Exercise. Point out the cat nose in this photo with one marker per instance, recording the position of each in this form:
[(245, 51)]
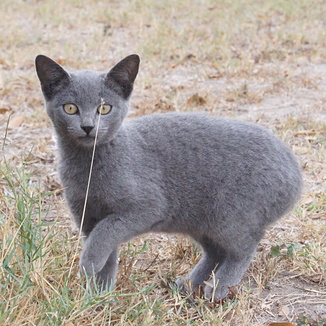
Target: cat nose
[(87, 129)]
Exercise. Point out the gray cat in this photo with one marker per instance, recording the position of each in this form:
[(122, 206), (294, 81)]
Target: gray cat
[(221, 182)]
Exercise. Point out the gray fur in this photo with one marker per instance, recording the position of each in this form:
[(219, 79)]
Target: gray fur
[(221, 182)]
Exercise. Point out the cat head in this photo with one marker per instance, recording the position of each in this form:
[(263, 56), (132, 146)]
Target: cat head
[(77, 101)]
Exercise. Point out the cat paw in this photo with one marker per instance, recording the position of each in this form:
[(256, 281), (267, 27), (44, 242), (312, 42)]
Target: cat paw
[(218, 292), (88, 264), (87, 267), (183, 284), (211, 292), (186, 287)]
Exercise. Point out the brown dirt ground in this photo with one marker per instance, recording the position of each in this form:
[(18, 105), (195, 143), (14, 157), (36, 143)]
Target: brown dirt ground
[(287, 97)]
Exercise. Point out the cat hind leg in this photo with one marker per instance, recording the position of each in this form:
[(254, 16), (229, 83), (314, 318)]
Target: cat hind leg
[(213, 257), (228, 274), (219, 268)]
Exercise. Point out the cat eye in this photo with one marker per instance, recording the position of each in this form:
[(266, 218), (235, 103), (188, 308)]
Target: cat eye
[(104, 108), (70, 108)]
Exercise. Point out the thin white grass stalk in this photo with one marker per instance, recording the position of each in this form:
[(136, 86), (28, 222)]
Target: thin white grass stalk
[(215, 284), (87, 191)]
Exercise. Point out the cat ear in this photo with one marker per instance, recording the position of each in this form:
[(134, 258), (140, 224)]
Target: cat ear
[(52, 76), (122, 76)]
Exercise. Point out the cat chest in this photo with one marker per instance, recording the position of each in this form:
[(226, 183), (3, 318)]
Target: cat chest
[(95, 193), (102, 195)]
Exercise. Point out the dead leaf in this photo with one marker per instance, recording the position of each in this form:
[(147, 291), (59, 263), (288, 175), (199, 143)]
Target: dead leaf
[(15, 121), (69, 324), (230, 99), (305, 133), (196, 100), (4, 110), (61, 61)]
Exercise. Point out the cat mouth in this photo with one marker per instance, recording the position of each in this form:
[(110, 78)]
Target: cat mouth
[(87, 139)]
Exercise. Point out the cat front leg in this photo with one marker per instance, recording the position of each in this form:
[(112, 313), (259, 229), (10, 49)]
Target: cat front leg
[(93, 261), (213, 256), (106, 277), (99, 256)]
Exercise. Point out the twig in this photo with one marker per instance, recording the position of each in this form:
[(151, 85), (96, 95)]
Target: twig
[(152, 262)]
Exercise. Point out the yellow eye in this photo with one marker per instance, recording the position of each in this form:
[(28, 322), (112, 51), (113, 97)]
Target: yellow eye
[(104, 108), (70, 108)]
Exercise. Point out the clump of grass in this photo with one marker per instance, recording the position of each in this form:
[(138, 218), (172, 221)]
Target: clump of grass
[(25, 245), (35, 275)]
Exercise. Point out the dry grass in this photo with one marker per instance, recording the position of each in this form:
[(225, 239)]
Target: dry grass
[(260, 61)]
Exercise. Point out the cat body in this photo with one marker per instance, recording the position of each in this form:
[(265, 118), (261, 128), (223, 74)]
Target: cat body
[(222, 182)]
